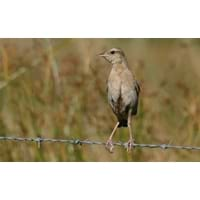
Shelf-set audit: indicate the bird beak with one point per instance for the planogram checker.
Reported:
(102, 55)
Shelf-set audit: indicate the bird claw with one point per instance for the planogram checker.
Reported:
(130, 145)
(109, 146)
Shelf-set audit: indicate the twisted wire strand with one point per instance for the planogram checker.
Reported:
(39, 140)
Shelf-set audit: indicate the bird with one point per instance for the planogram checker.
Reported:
(123, 94)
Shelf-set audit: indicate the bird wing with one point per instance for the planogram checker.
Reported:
(137, 87)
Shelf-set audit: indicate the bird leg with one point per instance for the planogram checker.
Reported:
(109, 144)
(131, 138)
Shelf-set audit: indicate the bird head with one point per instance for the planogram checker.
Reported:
(114, 56)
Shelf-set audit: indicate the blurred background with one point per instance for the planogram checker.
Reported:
(56, 88)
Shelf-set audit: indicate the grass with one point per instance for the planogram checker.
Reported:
(62, 94)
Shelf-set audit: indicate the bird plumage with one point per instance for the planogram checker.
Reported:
(122, 87)
(123, 92)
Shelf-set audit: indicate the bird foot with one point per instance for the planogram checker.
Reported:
(130, 145)
(109, 146)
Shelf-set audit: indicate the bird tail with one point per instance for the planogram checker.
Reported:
(123, 123)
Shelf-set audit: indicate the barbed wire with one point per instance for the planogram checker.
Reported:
(39, 141)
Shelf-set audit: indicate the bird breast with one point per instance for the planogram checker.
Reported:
(121, 90)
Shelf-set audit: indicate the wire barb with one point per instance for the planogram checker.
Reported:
(40, 140)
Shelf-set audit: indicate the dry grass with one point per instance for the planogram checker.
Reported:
(62, 95)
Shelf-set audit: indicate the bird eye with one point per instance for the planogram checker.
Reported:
(112, 52)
